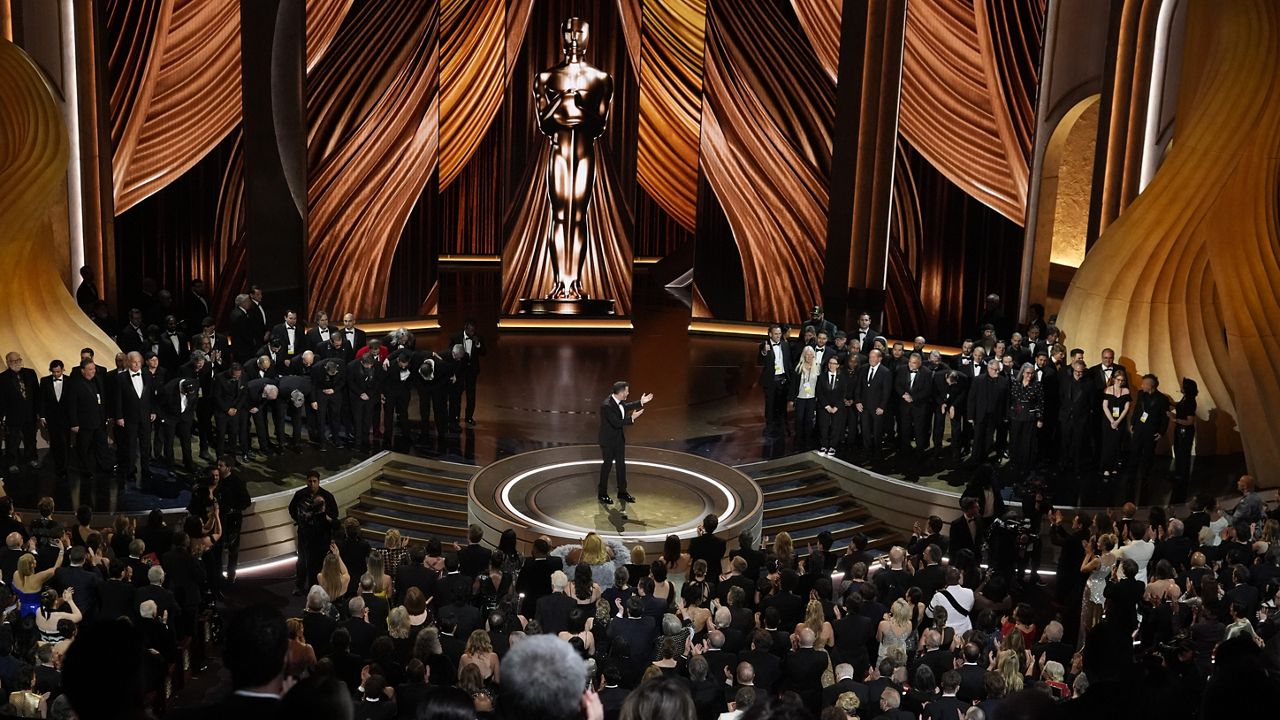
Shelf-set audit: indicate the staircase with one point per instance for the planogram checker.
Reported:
(422, 499)
(800, 499)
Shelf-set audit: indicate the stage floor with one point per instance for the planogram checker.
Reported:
(553, 492)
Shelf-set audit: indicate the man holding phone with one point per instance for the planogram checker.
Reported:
(616, 412)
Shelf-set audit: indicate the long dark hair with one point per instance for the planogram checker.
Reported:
(665, 699)
(671, 550)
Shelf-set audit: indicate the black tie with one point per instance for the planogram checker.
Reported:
(137, 374)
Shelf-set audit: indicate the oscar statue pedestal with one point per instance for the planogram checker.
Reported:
(579, 308)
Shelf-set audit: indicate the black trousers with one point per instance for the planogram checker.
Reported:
(328, 416)
(59, 447)
(983, 437)
(454, 394)
(395, 417)
(433, 403)
(872, 427)
(913, 426)
(1074, 439)
(137, 448)
(804, 422)
(1184, 436)
(205, 426)
(230, 433)
(231, 540)
(362, 419)
(831, 427)
(91, 451)
(775, 405)
(613, 454)
(19, 435)
(469, 387)
(174, 428)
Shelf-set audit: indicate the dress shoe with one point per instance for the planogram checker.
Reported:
(626, 497)
(605, 499)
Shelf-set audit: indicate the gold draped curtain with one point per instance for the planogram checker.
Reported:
(174, 69)
(968, 83)
(38, 317)
(1183, 284)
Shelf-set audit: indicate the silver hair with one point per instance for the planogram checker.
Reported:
(155, 575)
(671, 625)
(355, 606)
(240, 299)
(543, 678)
(198, 355)
(1025, 367)
(1176, 528)
(317, 599)
(147, 609)
(559, 580)
(458, 349)
(994, 363)
(270, 392)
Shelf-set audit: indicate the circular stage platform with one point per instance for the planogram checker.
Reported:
(553, 492)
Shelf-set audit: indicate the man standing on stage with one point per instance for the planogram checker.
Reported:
(616, 412)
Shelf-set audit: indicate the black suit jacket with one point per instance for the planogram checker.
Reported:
(868, 342)
(473, 559)
(245, 335)
(972, 683)
(18, 407)
(768, 377)
(873, 391)
(553, 614)
(988, 398)
(960, 538)
(280, 332)
(611, 699)
(710, 548)
(921, 391)
(129, 406)
(87, 406)
(828, 394)
(802, 672)
(478, 349)
(613, 421)
(53, 410)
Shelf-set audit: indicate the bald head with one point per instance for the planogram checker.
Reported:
(716, 639)
(746, 673)
(13, 541)
(806, 637)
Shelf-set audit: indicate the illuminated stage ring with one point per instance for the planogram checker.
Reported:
(552, 492)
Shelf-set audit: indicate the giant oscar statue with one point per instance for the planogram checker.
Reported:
(572, 102)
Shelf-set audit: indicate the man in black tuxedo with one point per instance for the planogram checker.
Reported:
(133, 336)
(328, 383)
(553, 609)
(473, 558)
(830, 393)
(290, 336)
(776, 360)
(988, 403)
(19, 405)
(195, 307)
(231, 398)
(473, 348)
(87, 419)
(1075, 410)
(320, 333)
(354, 336)
(871, 391)
(706, 546)
(434, 384)
(53, 402)
(1149, 421)
(364, 387)
(397, 388)
(913, 385)
(199, 370)
(534, 580)
(244, 333)
(863, 338)
(174, 347)
(177, 403)
(616, 412)
(135, 411)
(967, 530)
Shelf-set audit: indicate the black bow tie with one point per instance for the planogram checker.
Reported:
(57, 379)
(135, 374)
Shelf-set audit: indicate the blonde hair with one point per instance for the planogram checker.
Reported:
(26, 566)
(1108, 542)
(478, 642)
(900, 611)
(331, 577)
(848, 702)
(808, 352)
(638, 556)
(593, 550)
(392, 539)
(375, 565)
(782, 546)
(398, 623)
(814, 617)
(1009, 669)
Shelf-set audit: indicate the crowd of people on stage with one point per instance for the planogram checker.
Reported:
(246, 387)
(1016, 395)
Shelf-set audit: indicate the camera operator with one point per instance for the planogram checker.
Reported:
(314, 512)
